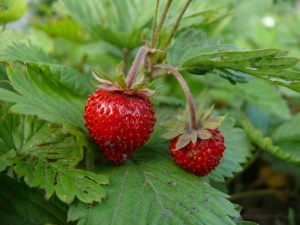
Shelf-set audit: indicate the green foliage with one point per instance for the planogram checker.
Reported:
(11, 10)
(287, 137)
(23, 205)
(265, 143)
(46, 156)
(35, 57)
(46, 78)
(120, 23)
(151, 189)
(268, 64)
(65, 28)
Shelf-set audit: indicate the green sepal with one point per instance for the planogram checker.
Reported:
(100, 76)
(204, 134)
(207, 114)
(120, 68)
(139, 87)
(183, 141)
(211, 125)
(182, 126)
(172, 134)
(121, 81)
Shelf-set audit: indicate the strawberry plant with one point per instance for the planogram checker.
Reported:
(99, 121)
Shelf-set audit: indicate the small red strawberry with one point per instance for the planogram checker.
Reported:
(196, 142)
(119, 115)
(202, 157)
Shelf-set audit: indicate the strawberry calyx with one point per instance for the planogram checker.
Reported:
(182, 127)
(127, 85)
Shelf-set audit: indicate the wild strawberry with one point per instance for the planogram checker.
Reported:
(196, 143)
(119, 115)
(202, 157)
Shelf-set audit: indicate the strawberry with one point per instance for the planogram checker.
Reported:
(119, 115)
(202, 157)
(196, 143)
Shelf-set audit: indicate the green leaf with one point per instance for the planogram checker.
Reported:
(9, 96)
(237, 151)
(46, 156)
(232, 75)
(11, 10)
(35, 57)
(151, 189)
(192, 43)
(265, 143)
(66, 28)
(262, 63)
(120, 23)
(45, 97)
(4, 161)
(8, 36)
(23, 205)
(288, 131)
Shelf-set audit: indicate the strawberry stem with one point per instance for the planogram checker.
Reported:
(173, 30)
(187, 93)
(161, 22)
(139, 59)
(154, 25)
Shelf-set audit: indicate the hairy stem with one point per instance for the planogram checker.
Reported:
(174, 29)
(154, 25)
(187, 93)
(139, 59)
(161, 22)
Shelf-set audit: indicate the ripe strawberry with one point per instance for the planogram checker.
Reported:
(119, 115)
(202, 157)
(196, 143)
(119, 123)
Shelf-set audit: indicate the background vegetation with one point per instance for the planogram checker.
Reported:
(45, 75)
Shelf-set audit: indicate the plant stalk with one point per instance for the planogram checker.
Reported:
(161, 22)
(139, 59)
(187, 93)
(154, 24)
(174, 29)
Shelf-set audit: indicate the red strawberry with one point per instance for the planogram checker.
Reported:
(119, 123)
(119, 115)
(196, 143)
(202, 157)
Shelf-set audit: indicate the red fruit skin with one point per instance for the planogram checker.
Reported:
(118, 123)
(202, 157)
